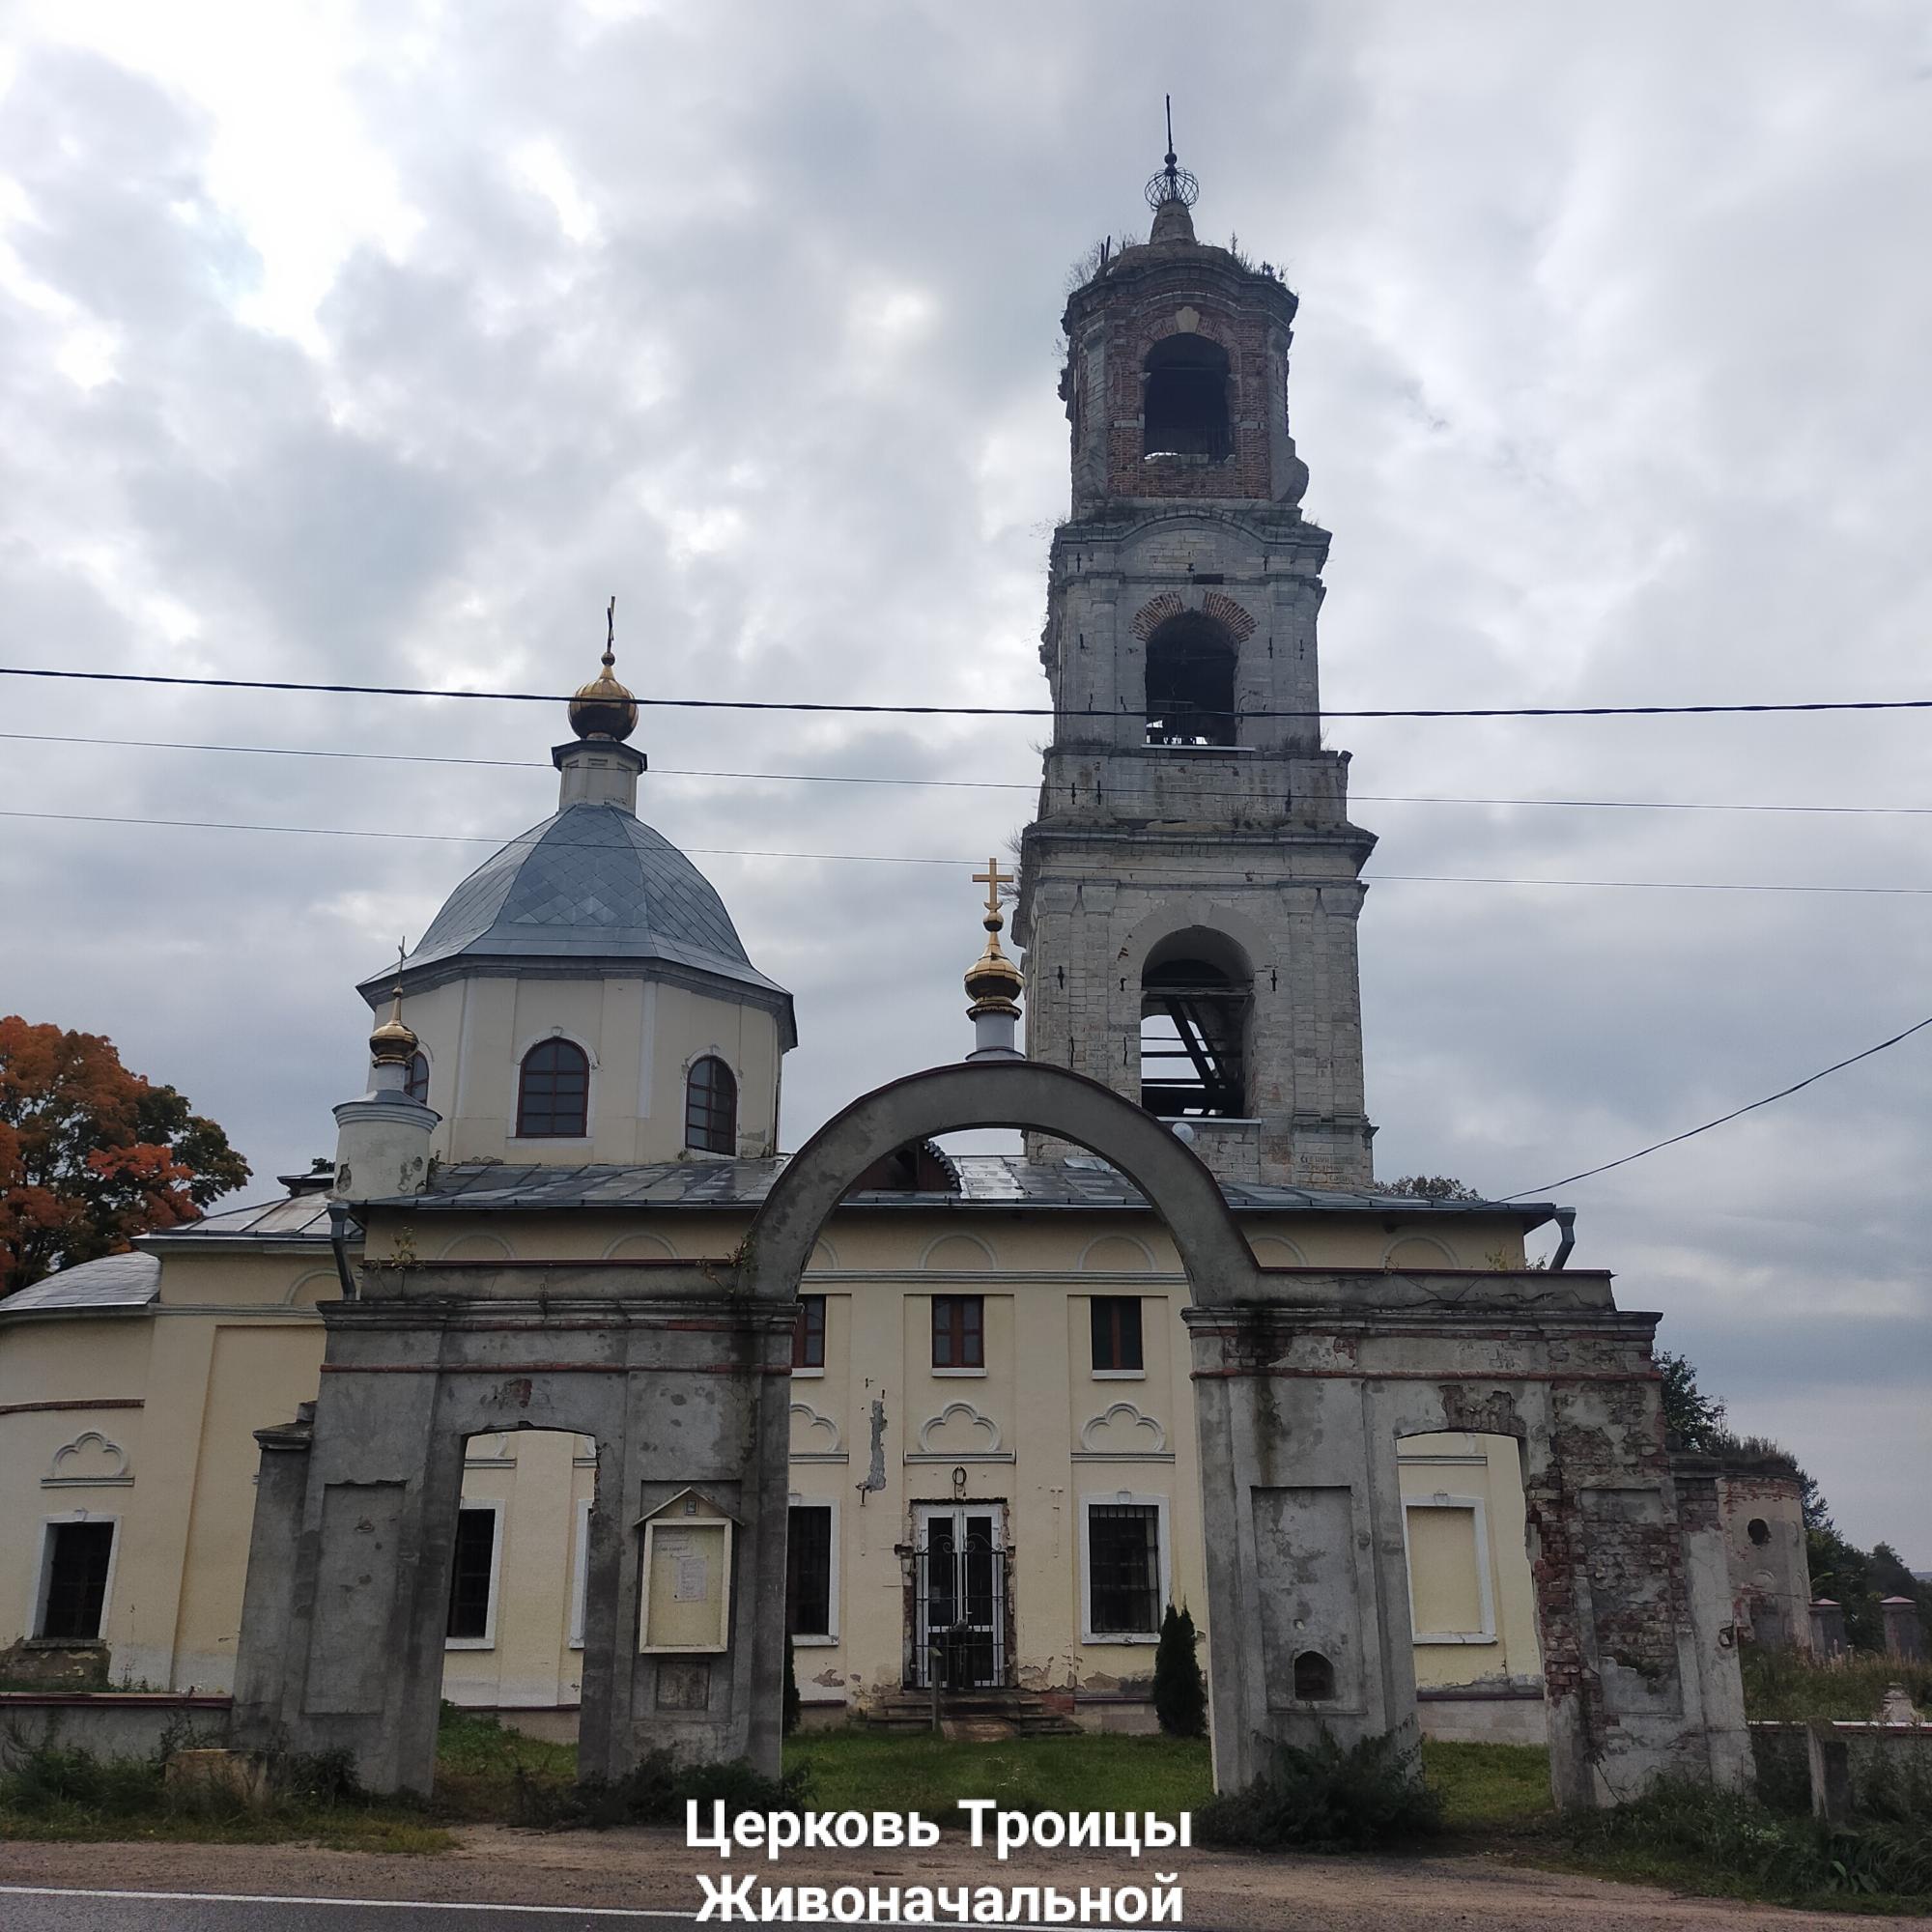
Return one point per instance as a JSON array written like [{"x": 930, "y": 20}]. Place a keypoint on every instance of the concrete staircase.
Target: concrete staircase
[{"x": 975, "y": 1717}]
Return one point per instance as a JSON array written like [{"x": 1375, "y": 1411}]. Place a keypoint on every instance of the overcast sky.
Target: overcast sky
[{"x": 385, "y": 343}]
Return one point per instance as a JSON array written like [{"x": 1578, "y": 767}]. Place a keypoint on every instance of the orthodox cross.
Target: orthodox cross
[
  {"x": 610, "y": 633},
  {"x": 992, "y": 878}
]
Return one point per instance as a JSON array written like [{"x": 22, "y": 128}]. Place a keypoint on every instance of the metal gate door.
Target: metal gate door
[{"x": 959, "y": 1598}]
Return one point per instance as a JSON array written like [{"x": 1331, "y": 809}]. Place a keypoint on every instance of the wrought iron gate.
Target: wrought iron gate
[{"x": 960, "y": 1586}]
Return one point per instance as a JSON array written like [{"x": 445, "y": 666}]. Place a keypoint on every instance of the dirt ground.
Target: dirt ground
[{"x": 653, "y": 1868}]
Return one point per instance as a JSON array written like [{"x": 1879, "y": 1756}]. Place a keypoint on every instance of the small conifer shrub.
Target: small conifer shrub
[{"x": 1179, "y": 1691}]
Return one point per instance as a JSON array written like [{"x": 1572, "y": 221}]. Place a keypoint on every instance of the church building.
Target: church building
[{"x": 992, "y": 1417}]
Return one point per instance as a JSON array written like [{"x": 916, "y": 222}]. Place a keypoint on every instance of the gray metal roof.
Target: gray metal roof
[
  {"x": 299, "y": 1217},
  {"x": 114, "y": 1281},
  {"x": 591, "y": 883},
  {"x": 986, "y": 1181}
]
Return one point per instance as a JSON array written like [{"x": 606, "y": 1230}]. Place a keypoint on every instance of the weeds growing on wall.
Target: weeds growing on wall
[
  {"x": 1792, "y": 1685},
  {"x": 654, "y": 1792},
  {"x": 1324, "y": 1797},
  {"x": 1731, "y": 1836}
]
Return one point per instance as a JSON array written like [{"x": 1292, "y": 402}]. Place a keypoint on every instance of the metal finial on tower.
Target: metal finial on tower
[
  {"x": 604, "y": 708},
  {"x": 393, "y": 1043},
  {"x": 611, "y": 634},
  {"x": 1173, "y": 183},
  {"x": 993, "y": 981}
]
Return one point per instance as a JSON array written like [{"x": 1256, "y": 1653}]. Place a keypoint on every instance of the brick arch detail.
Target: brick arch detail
[{"x": 1155, "y": 612}]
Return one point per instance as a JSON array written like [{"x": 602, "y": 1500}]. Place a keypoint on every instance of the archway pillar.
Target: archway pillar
[
  {"x": 1300, "y": 1410},
  {"x": 684, "y": 1392}
]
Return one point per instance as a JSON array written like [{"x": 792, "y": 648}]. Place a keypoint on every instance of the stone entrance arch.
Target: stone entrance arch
[{"x": 1305, "y": 1378}]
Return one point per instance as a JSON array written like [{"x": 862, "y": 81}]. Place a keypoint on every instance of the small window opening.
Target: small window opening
[
  {"x": 1314, "y": 1677},
  {"x": 1195, "y": 996},
  {"x": 554, "y": 1092},
  {"x": 1117, "y": 1333},
  {"x": 469, "y": 1576},
  {"x": 958, "y": 1331},
  {"x": 1191, "y": 683},
  {"x": 807, "y": 1339},
  {"x": 415, "y": 1083},
  {"x": 1758, "y": 1530},
  {"x": 808, "y": 1571},
  {"x": 1185, "y": 399},
  {"x": 1123, "y": 1568},
  {"x": 711, "y": 1108},
  {"x": 77, "y": 1558}
]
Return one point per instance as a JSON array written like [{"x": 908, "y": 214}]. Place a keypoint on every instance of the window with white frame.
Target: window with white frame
[
  {"x": 811, "y": 1573},
  {"x": 1450, "y": 1599},
  {"x": 472, "y": 1577},
  {"x": 77, "y": 1567},
  {"x": 1123, "y": 1567}
]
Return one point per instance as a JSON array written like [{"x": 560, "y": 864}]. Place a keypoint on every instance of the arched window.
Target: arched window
[
  {"x": 1190, "y": 682},
  {"x": 554, "y": 1092},
  {"x": 711, "y": 1108},
  {"x": 415, "y": 1083},
  {"x": 1185, "y": 398},
  {"x": 1195, "y": 995}
]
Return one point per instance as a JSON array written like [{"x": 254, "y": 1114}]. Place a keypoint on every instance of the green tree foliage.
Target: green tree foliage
[
  {"x": 1695, "y": 1419},
  {"x": 1179, "y": 1691},
  {"x": 1433, "y": 1187},
  {"x": 91, "y": 1155}
]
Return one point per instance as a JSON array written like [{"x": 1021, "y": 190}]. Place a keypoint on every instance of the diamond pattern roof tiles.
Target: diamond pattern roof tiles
[{"x": 591, "y": 882}]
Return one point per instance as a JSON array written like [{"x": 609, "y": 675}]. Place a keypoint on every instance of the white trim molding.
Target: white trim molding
[
  {"x": 1485, "y": 1594},
  {"x": 43, "y": 1576},
  {"x": 497, "y": 1508},
  {"x": 116, "y": 1477},
  {"x": 1164, "y": 1582},
  {"x": 828, "y": 1638}
]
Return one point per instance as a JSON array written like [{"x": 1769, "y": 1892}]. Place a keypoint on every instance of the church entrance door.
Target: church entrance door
[{"x": 959, "y": 1596}]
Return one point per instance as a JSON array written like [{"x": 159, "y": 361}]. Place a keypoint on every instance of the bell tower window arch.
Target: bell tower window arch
[
  {"x": 1185, "y": 399},
  {"x": 1197, "y": 1000},
  {"x": 1190, "y": 681}
]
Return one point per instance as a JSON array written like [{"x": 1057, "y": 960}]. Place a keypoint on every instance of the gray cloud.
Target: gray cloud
[{"x": 1610, "y": 370}]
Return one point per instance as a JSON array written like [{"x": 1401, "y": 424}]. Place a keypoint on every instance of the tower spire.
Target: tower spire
[{"x": 1171, "y": 194}]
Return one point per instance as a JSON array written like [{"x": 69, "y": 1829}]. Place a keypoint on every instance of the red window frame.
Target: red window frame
[
  {"x": 958, "y": 1331},
  {"x": 1117, "y": 1345}
]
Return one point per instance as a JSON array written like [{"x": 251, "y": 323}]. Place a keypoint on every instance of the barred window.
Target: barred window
[
  {"x": 711, "y": 1108},
  {"x": 1117, "y": 1333},
  {"x": 1123, "y": 1568},
  {"x": 958, "y": 1331},
  {"x": 807, "y": 1339},
  {"x": 77, "y": 1559},
  {"x": 808, "y": 1571},
  {"x": 554, "y": 1092},
  {"x": 469, "y": 1576}
]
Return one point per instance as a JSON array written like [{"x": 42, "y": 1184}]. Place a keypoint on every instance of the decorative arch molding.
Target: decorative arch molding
[
  {"x": 1139, "y": 1259},
  {"x": 1155, "y": 612},
  {"x": 90, "y": 1461},
  {"x": 1278, "y": 1251},
  {"x": 970, "y": 1254},
  {"x": 639, "y": 1248},
  {"x": 1002, "y": 1094},
  {"x": 981, "y": 1437},
  {"x": 1184, "y": 914},
  {"x": 476, "y": 1249},
  {"x": 823, "y": 1259},
  {"x": 302, "y": 1291},
  {"x": 1418, "y": 1251},
  {"x": 814, "y": 1437},
  {"x": 1235, "y": 618},
  {"x": 1121, "y": 1433}
]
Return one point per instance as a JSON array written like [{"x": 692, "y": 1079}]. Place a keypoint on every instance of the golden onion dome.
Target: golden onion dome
[
  {"x": 993, "y": 983},
  {"x": 392, "y": 1043},
  {"x": 604, "y": 708}
]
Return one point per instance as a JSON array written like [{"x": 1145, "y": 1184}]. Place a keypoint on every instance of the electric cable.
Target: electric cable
[
  {"x": 1760, "y": 708},
  {"x": 912, "y": 859},
  {"x": 1723, "y": 1119},
  {"x": 959, "y": 784}
]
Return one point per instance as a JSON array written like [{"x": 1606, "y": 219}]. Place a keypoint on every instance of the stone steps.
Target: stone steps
[{"x": 973, "y": 1716}]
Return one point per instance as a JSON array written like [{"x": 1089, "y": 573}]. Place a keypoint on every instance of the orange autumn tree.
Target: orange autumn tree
[{"x": 91, "y": 1155}]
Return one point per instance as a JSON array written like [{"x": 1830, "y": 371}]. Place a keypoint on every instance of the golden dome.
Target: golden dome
[
  {"x": 993, "y": 983},
  {"x": 604, "y": 708},
  {"x": 392, "y": 1043}
]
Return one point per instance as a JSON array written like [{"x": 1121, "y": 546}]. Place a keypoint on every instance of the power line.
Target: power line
[
  {"x": 959, "y": 784},
  {"x": 909, "y": 858},
  {"x": 1723, "y": 1119},
  {"x": 972, "y": 710}
]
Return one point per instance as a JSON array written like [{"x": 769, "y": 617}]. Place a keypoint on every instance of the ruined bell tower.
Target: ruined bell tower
[{"x": 1190, "y": 892}]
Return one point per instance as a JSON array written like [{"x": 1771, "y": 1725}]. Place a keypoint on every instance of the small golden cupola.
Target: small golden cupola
[
  {"x": 392, "y": 1043},
  {"x": 993, "y": 983},
  {"x": 604, "y": 708}
]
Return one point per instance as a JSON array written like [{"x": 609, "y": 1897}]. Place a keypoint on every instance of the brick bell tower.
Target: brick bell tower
[{"x": 1190, "y": 893}]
